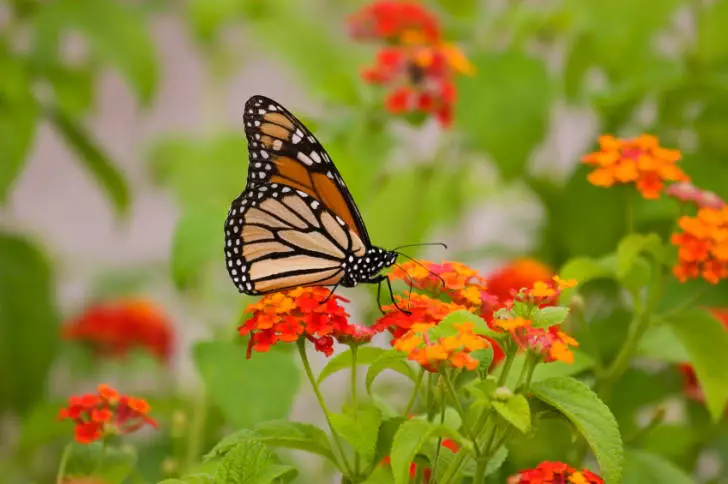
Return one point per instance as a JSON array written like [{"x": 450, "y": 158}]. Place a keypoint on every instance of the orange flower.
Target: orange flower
[
  {"x": 105, "y": 413},
  {"x": 302, "y": 312},
  {"x": 452, "y": 350},
  {"x": 703, "y": 245},
  {"x": 422, "y": 309},
  {"x": 639, "y": 160},
  {"x": 555, "y": 473},
  {"x": 505, "y": 282},
  {"x": 417, "y": 66},
  {"x": 114, "y": 328},
  {"x": 551, "y": 343}
]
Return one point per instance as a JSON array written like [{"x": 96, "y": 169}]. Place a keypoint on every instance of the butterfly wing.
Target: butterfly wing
[
  {"x": 283, "y": 151},
  {"x": 279, "y": 237}
]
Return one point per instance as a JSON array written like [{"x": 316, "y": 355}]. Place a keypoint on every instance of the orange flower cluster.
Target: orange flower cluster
[
  {"x": 691, "y": 386},
  {"x": 555, "y": 473},
  {"x": 453, "y": 351},
  {"x": 301, "y": 312},
  {"x": 551, "y": 343},
  {"x": 703, "y": 245},
  {"x": 505, "y": 282},
  {"x": 423, "y": 309},
  {"x": 98, "y": 415},
  {"x": 640, "y": 160},
  {"x": 116, "y": 327},
  {"x": 686, "y": 192},
  {"x": 416, "y": 65}
]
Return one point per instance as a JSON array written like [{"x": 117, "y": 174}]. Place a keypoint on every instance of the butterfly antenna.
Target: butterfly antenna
[
  {"x": 424, "y": 244},
  {"x": 424, "y": 267}
]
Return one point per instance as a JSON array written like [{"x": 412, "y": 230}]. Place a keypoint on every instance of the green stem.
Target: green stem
[
  {"x": 197, "y": 430},
  {"x": 354, "y": 353},
  {"x": 621, "y": 362},
  {"x": 630, "y": 209},
  {"x": 322, "y": 404},
  {"x": 458, "y": 406},
  {"x": 62, "y": 465},
  {"x": 510, "y": 356},
  {"x": 415, "y": 391},
  {"x": 531, "y": 363},
  {"x": 439, "y": 442}
]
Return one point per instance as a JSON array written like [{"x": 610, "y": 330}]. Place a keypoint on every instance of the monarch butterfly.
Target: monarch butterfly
[{"x": 295, "y": 223}]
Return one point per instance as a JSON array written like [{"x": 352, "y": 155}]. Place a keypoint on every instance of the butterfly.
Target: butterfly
[{"x": 295, "y": 223}]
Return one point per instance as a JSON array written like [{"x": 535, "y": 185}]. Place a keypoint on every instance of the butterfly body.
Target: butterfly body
[{"x": 295, "y": 223}]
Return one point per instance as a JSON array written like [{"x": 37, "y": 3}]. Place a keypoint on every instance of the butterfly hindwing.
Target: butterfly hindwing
[
  {"x": 279, "y": 237},
  {"x": 283, "y": 151}
]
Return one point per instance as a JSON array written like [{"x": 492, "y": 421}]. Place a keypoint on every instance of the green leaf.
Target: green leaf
[
  {"x": 112, "y": 464},
  {"x": 93, "y": 158},
  {"x": 115, "y": 32},
  {"x": 389, "y": 360},
  {"x": 516, "y": 411},
  {"x": 646, "y": 468},
  {"x": 18, "y": 119},
  {"x": 380, "y": 475},
  {"x": 446, "y": 327},
  {"x": 41, "y": 427},
  {"x": 591, "y": 416},
  {"x": 247, "y": 390},
  {"x": 253, "y": 463},
  {"x": 295, "y": 435},
  {"x": 659, "y": 343},
  {"x": 705, "y": 340},
  {"x": 365, "y": 355},
  {"x": 409, "y": 439},
  {"x": 387, "y": 431},
  {"x": 583, "y": 270},
  {"x": 28, "y": 323},
  {"x": 360, "y": 431},
  {"x": 196, "y": 243},
  {"x": 504, "y": 108},
  {"x": 550, "y": 316},
  {"x": 632, "y": 246},
  {"x": 228, "y": 443}
]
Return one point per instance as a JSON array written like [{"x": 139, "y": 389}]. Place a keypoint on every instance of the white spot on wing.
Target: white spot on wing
[
  {"x": 315, "y": 156},
  {"x": 304, "y": 158}
]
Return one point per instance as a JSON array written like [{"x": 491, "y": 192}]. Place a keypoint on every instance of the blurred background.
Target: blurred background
[{"x": 121, "y": 147}]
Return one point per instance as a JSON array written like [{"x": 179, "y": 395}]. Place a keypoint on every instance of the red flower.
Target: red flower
[
  {"x": 506, "y": 281},
  {"x": 114, "y": 328},
  {"x": 555, "y": 473},
  {"x": 105, "y": 413},
  {"x": 304, "y": 312},
  {"x": 416, "y": 65},
  {"x": 688, "y": 193},
  {"x": 691, "y": 387}
]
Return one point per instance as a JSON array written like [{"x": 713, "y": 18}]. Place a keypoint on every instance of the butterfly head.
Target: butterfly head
[{"x": 366, "y": 268}]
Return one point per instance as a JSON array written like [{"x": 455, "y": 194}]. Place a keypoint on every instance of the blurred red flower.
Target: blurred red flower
[
  {"x": 98, "y": 415},
  {"x": 555, "y": 473},
  {"x": 686, "y": 192},
  {"x": 304, "y": 312},
  {"x": 113, "y": 328},
  {"x": 416, "y": 66},
  {"x": 506, "y": 281},
  {"x": 691, "y": 386}
]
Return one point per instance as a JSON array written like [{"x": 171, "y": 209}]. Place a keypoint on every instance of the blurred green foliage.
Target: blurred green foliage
[{"x": 659, "y": 67}]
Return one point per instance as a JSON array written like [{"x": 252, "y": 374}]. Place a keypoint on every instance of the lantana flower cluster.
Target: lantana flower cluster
[
  {"x": 310, "y": 312},
  {"x": 114, "y": 328},
  {"x": 415, "y": 64},
  {"x": 703, "y": 245},
  {"x": 105, "y": 413},
  {"x": 555, "y": 473},
  {"x": 433, "y": 351},
  {"x": 640, "y": 160}
]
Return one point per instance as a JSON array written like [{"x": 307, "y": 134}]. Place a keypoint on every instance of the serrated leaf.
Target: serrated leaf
[
  {"x": 360, "y": 431},
  {"x": 247, "y": 390},
  {"x": 389, "y": 360},
  {"x": 516, "y": 411},
  {"x": 408, "y": 441},
  {"x": 705, "y": 340},
  {"x": 253, "y": 463},
  {"x": 591, "y": 417},
  {"x": 228, "y": 443},
  {"x": 97, "y": 162},
  {"x": 365, "y": 355},
  {"x": 28, "y": 323},
  {"x": 295, "y": 435},
  {"x": 550, "y": 316},
  {"x": 647, "y": 468}
]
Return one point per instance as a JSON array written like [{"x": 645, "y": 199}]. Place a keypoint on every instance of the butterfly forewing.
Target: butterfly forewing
[{"x": 283, "y": 151}]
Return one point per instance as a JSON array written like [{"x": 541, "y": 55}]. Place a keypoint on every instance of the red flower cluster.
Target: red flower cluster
[
  {"x": 691, "y": 386},
  {"x": 116, "y": 327},
  {"x": 555, "y": 473},
  {"x": 98, "y": 415},
  {"x": 506, "y": 281},
  {"x": 301, "y": 312},
  {"x": 416, "y": 65}
]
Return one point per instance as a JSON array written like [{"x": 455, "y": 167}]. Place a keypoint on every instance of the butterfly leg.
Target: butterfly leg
[
  {"x": 391, "y": 295},
  {"x": 330, "y": 294}
]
